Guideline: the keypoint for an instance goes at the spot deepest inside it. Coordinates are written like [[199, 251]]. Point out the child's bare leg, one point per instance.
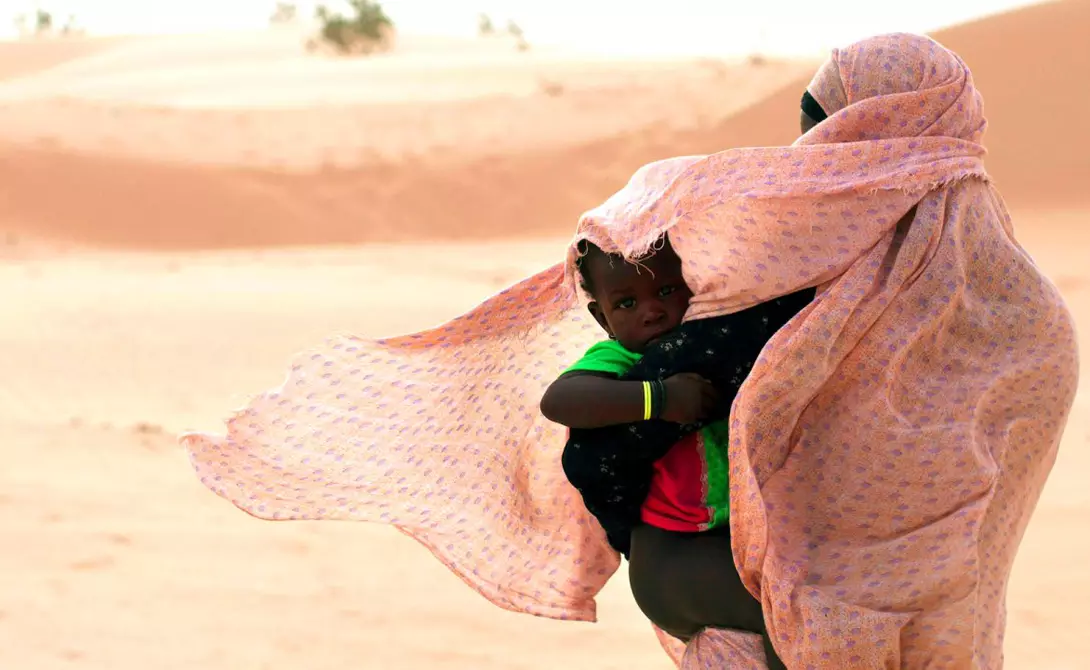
[[685, 582]]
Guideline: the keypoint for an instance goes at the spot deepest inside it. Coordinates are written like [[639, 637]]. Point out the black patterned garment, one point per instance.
[[611, 467]]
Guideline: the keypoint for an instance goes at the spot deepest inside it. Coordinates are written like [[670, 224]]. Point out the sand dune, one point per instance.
[[119, 559], [514, 166], [25, 58], [560, 138], [539, 137], [1028, 65]]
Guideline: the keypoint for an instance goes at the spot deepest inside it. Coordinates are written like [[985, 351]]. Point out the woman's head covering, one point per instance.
[[898, 85], [887, 450], [905, 104]]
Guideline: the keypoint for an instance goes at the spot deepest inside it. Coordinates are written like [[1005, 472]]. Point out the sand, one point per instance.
[[165, 248]]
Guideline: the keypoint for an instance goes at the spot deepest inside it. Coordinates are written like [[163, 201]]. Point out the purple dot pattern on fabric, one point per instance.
[[887, 450]]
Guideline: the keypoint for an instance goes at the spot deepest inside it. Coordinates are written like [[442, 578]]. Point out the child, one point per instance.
[[647, 447], [637, 305]]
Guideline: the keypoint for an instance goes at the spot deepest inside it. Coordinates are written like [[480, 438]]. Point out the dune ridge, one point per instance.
[[25, 58], [1028, 66], [505, 166], [502, 167]]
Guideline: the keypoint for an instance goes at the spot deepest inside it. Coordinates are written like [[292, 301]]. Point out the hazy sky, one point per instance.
[[706, 26]]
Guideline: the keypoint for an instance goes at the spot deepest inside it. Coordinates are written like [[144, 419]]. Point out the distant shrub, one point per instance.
[[71, 27], [514, 30], [285, 12], [19, 21], [43, 22], [485, 27], [368, 31], [552, 89]]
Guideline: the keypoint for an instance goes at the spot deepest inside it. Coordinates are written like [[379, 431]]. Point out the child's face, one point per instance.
[[638, 303]]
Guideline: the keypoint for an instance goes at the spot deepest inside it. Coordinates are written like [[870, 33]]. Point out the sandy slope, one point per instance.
[[117, 558], [1028, 65], [524, 163], [543, 137], [20, 59]]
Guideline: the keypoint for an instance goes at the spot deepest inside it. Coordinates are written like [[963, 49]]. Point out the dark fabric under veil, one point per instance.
[[611, 467]]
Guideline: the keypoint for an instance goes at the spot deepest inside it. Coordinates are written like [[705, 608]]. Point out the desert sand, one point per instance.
[[178, 216]]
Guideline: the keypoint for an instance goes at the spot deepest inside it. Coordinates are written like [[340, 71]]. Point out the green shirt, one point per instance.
[[699, 460], [607, 356]]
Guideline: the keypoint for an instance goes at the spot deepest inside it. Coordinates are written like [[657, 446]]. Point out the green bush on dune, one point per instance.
[[485, 27], [368, 30], [43, 22]]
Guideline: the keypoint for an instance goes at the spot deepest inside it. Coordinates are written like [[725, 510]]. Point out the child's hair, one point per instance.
[[587, 250]]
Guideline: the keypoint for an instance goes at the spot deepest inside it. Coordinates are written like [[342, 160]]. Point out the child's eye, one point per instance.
[[627, 303], [667, 290]]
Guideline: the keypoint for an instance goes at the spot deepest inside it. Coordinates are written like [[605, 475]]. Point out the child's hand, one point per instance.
[[689, 398]]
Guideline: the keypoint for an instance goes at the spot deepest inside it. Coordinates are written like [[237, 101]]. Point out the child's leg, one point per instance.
[[685, 582]]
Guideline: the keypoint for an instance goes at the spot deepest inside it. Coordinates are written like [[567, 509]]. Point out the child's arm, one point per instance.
[[595, 400], [589, 400]]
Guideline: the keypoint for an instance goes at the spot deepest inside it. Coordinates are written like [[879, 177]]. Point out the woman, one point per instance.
[[887, 448]]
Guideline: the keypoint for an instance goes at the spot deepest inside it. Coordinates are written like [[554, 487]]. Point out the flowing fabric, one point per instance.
[[887, 449]]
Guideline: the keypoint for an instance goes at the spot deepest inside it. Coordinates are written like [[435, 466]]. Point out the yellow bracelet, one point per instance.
[[647, 401]]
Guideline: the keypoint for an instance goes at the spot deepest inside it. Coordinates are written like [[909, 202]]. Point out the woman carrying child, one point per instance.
[[886, 450]]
